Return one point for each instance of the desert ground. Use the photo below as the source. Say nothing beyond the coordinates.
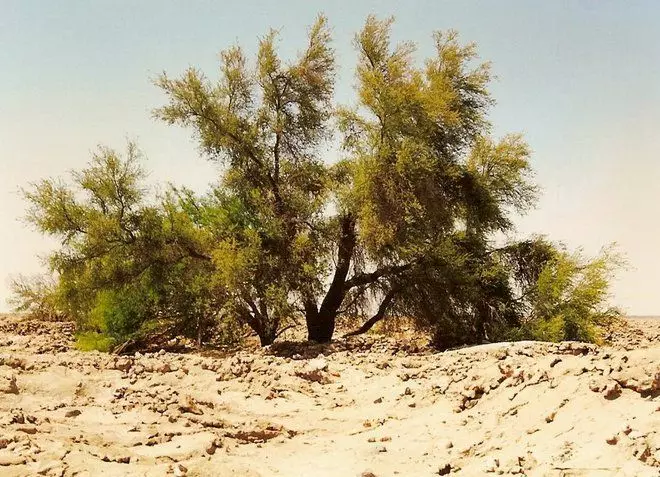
(366, 406)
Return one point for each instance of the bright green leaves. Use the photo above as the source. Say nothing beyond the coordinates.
(126, 257)
(570, 298)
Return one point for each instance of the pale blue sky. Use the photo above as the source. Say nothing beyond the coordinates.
(580, 79)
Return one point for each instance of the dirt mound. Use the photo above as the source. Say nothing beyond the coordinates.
(365, 406)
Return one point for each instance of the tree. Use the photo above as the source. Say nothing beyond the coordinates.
(420, 170)
(125, 263)
(569, 298)
(406, 222)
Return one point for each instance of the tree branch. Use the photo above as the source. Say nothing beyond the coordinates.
(380, 314)
(368, 278)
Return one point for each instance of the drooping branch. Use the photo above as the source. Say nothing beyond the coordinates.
(380, 314)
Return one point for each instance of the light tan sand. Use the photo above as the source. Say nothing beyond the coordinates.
(366, 407)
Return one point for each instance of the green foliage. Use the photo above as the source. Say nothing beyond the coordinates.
(128, 263)
(405, 222)
(121, 313)
(93, 341)
(569, 300)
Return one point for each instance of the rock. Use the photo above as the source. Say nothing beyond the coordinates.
(163, 368)
(316, 371)
(188, 404)
(444, 469)
(27, 429)
(612, 440)
(9, 458)
(123, 364)
(378, 400)
(73, 413)
(50, 468)
(180, 470)
(367, 474)
(15, 363)
(210, 449)
(612, 390)
(8, 385)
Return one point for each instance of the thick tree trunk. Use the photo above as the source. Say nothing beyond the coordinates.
(320, 328)
(267, 337)
(321, 321)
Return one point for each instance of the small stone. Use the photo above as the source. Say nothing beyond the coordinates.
(188, 404)
(9, 458)
(123, 364)
(550, 417)
(8, 385)
(180, 470)
(367, 474)
(382, 449)
(378, 401)
(444, 469)
(73, 413)
(612, 440)
(27, 429)
(612, 391)
(163, 368)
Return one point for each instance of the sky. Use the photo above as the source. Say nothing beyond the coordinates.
(580, 80)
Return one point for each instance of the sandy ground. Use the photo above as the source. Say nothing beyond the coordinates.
(364, 407)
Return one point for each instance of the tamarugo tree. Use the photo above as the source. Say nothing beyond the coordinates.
(408, 221)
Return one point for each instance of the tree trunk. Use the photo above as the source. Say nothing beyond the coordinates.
(265, 329)
(321, 321)
(267, 337)
(321, 327)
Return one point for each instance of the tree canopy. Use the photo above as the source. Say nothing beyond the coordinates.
(407, 222)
